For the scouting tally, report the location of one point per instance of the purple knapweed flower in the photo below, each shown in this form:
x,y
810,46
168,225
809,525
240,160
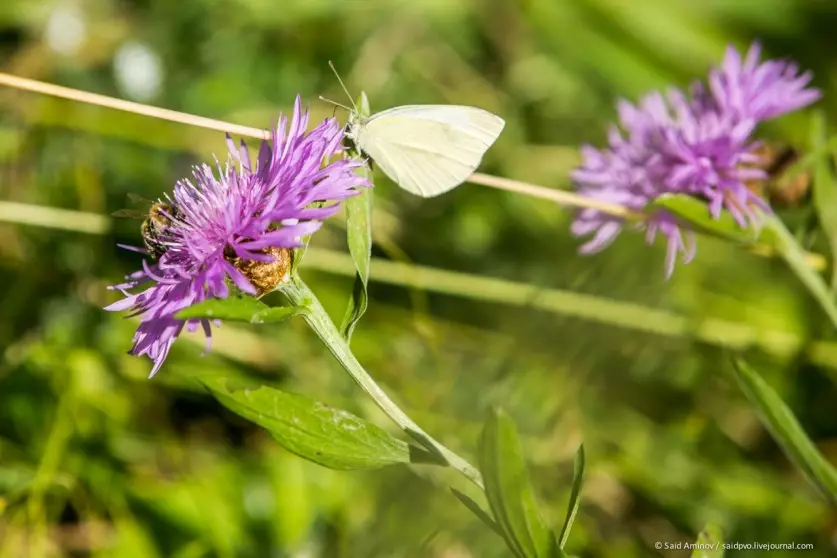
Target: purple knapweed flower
x,y
234,216
749,89
699,145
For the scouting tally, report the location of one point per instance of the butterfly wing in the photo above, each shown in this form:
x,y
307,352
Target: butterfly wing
x,y
429,149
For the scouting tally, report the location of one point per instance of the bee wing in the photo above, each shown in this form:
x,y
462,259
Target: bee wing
x,y
130,214
137,199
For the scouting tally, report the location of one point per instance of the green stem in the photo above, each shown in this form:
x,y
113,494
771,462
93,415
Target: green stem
x,y
299,294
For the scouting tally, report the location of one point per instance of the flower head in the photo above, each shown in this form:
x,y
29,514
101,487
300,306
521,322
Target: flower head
x,y
232,217
699,145
749,89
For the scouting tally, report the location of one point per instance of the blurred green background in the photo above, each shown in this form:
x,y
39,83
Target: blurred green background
x,y
96,460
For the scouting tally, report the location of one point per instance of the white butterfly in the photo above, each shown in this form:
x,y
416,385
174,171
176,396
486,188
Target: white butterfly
x,y
426,149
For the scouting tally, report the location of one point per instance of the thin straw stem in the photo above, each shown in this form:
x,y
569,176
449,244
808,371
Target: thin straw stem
x,y
53,218
558,196
129,106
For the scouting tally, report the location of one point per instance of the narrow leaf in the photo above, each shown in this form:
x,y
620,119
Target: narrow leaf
x,y
825,189
786,430
710,543
794,256
330,437
239,309
575,496
359,236
477,510
509,492
276,314
696,213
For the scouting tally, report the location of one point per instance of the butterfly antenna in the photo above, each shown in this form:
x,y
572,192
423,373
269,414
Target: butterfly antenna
x,y
335,103
343,85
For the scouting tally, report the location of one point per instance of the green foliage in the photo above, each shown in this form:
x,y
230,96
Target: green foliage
x,y
709,543
359,237
575,497
695,212
240,309
510,493
322,434
787,431
477,510
773,235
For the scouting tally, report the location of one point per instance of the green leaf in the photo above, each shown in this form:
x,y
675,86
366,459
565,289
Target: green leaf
x,y
359,236
795,257
509,492
696,213
575,496
239,309
772,235
330,437
710,543
825,188
786,430
477,510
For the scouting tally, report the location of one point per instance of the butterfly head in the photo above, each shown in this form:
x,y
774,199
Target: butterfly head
x,y
357,120
359,116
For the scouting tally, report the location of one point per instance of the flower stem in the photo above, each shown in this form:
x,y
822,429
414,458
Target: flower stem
x,y
299,294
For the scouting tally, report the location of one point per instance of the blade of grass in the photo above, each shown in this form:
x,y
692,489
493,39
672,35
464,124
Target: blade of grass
x,y
786,430
575,497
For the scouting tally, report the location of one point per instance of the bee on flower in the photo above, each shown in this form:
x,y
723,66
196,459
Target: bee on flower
x,y
235,227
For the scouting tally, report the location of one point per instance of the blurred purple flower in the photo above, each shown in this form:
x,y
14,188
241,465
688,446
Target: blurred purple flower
x,y
751,90
236,213
699,145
